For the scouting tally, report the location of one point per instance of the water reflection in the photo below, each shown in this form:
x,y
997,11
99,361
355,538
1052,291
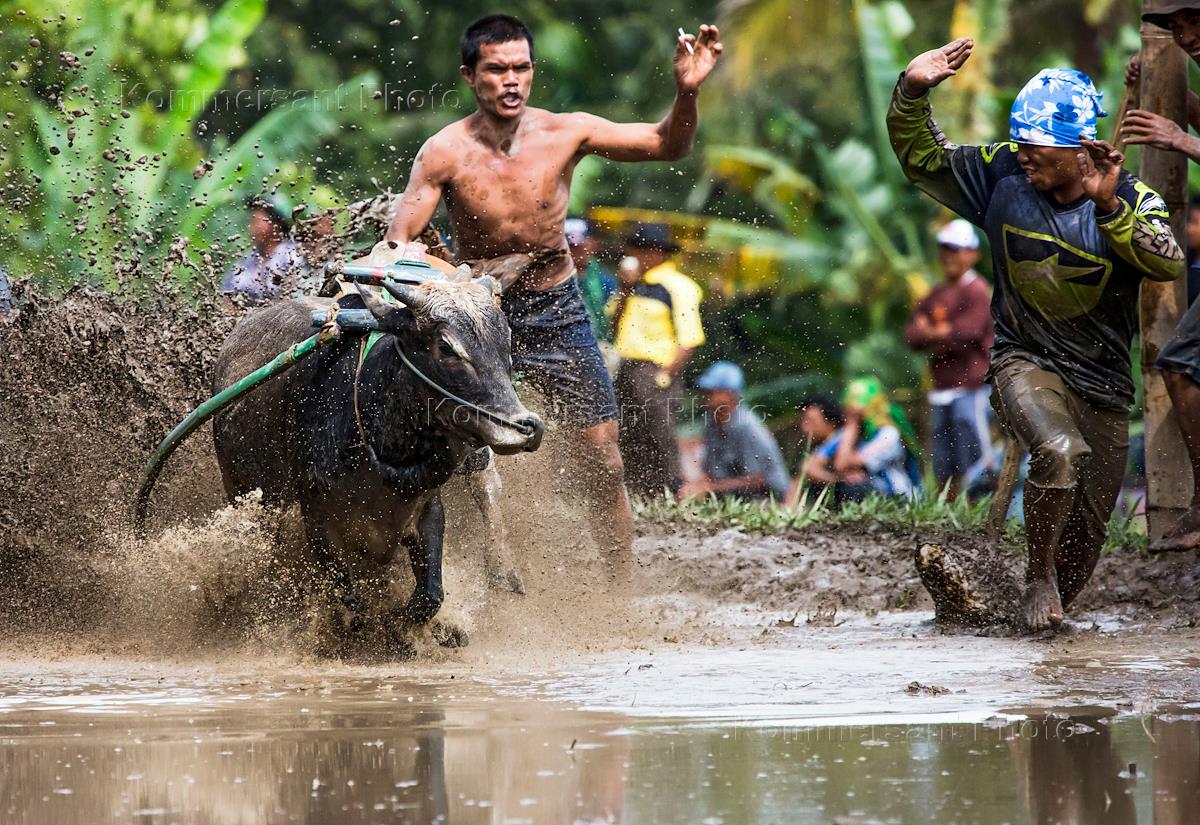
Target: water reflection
x,y
1069,771
386,751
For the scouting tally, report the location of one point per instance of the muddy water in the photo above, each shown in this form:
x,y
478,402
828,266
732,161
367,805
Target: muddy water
x,y
788,725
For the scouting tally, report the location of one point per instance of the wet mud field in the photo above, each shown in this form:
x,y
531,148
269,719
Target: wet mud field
x,y
178,678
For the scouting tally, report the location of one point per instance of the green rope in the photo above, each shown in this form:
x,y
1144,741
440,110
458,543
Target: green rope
x,y
280,363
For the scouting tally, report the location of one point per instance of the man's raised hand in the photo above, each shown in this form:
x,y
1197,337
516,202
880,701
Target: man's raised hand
x,y
931,68
695,57
1100,165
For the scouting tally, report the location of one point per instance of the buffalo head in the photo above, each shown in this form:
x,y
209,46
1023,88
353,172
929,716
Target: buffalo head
x,y
456,334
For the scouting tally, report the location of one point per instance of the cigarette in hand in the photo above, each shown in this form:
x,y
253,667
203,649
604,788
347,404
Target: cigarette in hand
x,y
683,34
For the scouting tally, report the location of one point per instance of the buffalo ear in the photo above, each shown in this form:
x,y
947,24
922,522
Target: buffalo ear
x,y
488,283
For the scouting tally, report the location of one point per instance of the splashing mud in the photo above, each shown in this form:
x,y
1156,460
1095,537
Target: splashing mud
x,y
94,383
90,385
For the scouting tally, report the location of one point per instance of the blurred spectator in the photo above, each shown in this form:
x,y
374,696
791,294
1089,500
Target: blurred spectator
x,y
274,266
5,294
820,420
656,318
953,323
317,236
596,283
871,452
741,457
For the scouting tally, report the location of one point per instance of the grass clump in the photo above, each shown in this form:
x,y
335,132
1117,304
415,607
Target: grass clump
x,y
925,509
928,509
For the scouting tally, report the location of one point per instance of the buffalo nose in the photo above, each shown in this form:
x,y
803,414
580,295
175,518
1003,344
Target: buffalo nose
x,y
534,427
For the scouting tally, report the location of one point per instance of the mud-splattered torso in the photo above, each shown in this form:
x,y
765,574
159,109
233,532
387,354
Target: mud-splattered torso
x,y
513,199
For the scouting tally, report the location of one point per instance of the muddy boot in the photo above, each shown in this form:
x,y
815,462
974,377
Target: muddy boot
x,y
1184,535
1046,511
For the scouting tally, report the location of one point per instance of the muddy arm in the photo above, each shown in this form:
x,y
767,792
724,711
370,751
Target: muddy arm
x,y
1140,232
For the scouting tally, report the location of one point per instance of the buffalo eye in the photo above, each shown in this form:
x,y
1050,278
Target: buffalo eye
x,y
451,348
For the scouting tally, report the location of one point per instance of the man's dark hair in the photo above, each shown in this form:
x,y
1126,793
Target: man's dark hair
x,y
495,28
1194,203
829,408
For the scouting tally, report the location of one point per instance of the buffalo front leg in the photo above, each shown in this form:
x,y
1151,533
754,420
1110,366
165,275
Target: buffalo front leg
x,y
425,555
333,572
485,486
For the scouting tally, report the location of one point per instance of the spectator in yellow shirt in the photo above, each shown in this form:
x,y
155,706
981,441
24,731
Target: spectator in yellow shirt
x,y
656,317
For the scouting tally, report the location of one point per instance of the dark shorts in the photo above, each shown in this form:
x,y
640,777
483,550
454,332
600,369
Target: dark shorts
x,y
1181,354
555,352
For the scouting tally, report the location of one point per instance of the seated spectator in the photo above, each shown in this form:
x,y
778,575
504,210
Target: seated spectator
x,y
820,420
741,457
274,267
870,453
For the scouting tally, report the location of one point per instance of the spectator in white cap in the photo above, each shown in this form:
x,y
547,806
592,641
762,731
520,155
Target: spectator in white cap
x,y
953,323
596,283
741,457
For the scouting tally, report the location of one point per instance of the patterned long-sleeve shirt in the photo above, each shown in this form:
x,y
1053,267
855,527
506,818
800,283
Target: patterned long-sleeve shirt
x,y
1066,278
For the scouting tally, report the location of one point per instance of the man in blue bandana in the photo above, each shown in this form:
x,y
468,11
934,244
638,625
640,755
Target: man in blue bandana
x,y
1072,236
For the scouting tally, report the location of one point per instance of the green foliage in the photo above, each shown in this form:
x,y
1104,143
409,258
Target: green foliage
x,y
884,355
113,180
1126,533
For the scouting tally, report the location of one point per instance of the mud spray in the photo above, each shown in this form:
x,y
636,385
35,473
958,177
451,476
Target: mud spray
x,y
92,383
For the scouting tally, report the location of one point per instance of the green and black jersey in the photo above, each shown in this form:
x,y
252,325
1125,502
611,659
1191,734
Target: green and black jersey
x,y
1066,291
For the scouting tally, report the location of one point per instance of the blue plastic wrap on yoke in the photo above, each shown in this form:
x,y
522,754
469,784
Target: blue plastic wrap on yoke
x,y
1058,107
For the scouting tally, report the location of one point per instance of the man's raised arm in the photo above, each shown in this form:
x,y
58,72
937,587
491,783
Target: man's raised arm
x,y
961,178
421,196
671,138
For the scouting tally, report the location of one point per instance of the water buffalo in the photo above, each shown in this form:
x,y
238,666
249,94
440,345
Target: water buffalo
x,y
364,450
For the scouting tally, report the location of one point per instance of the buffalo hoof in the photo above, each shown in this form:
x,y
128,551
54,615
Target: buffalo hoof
x,y
448,635
505,579
349,613
421,609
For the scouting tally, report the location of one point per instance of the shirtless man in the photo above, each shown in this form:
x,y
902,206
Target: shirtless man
x,y
505,173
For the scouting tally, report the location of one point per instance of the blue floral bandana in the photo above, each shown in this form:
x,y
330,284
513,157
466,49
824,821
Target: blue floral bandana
x,y
1058,107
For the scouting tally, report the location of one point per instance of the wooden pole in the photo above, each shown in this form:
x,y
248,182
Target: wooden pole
x,y
1164,91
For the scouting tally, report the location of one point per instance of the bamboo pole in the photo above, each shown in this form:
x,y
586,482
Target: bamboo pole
x,y
1164,91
